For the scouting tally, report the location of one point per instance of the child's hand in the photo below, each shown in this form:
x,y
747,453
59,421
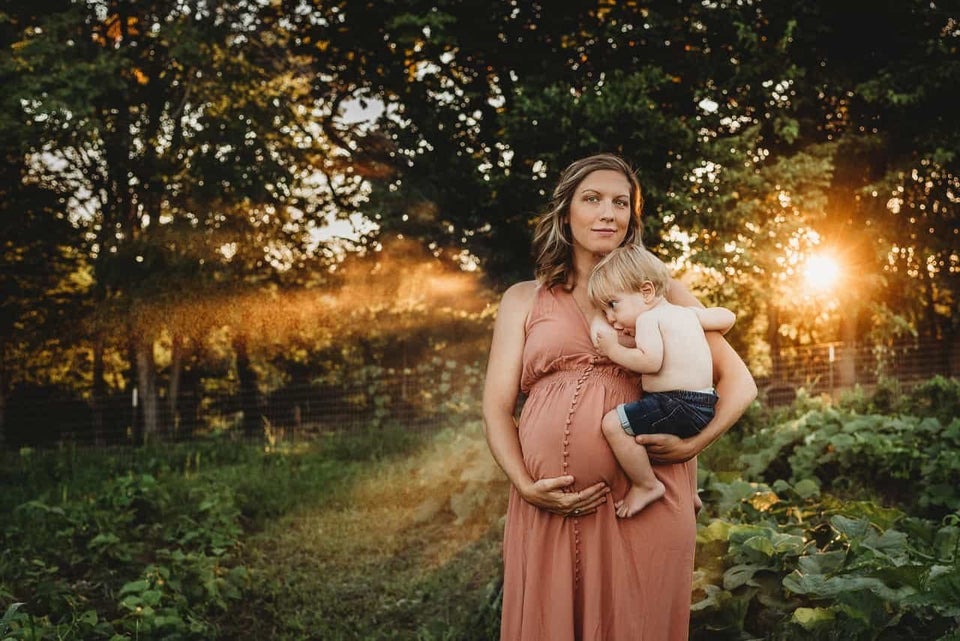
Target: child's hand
x,y
604,336
606,340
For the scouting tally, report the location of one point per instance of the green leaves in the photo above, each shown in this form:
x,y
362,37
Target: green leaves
x,y
812,618
143,555
844,542
8,617
822,568
909,459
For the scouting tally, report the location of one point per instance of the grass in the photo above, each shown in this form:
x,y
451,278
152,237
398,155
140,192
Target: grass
x,y
404,551
385,534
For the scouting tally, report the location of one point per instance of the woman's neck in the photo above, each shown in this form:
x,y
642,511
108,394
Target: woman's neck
x,y
583,264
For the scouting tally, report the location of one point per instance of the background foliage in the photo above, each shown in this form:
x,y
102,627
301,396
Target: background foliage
x,y
218,540
195,177
229,210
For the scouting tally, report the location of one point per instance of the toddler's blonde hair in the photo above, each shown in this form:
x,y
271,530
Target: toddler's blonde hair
x,y
626,269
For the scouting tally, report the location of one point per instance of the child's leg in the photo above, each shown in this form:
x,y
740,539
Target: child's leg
x,y
646,487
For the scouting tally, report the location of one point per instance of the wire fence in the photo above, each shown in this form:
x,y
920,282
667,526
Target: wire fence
x,y
831,368
424,399
414,400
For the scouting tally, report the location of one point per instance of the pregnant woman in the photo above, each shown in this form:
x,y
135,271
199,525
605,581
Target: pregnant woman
x,y
573,571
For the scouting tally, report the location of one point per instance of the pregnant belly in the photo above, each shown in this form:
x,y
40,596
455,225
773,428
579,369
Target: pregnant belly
x,y
556,441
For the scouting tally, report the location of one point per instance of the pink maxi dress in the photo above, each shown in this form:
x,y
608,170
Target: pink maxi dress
x,y
595,577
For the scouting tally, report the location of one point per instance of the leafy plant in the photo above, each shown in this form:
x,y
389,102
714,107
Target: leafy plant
x,y
786,562
905,459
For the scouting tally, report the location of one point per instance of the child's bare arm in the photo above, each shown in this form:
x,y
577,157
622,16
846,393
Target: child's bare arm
x,y
646,357
718,319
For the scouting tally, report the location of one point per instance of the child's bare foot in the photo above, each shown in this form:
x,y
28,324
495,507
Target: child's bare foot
x,y
637,498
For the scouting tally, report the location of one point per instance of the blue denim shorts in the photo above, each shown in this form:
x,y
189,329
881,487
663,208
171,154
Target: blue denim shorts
x,y
681,413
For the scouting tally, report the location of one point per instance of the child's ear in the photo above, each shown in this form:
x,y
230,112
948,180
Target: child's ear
x,y
648,290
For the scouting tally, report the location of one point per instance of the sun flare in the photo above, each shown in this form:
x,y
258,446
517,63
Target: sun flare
x,y
821,272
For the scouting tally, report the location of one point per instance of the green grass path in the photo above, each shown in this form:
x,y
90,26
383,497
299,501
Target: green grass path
x,y
403,548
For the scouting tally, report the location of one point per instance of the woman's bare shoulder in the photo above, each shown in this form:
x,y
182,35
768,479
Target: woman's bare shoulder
x,y
518,299
519,293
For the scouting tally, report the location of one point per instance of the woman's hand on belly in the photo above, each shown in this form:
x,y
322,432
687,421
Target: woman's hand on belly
x,y
550,494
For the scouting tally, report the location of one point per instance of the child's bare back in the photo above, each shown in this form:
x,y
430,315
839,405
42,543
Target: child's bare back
x,y
687,364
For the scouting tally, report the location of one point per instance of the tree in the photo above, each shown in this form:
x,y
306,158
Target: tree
x,y
43,276
171,124
871,83
834,109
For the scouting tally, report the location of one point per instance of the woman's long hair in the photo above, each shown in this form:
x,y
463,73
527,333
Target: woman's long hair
x,y
552,241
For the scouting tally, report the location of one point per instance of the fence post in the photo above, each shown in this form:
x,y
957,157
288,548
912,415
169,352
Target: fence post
x,y
832,357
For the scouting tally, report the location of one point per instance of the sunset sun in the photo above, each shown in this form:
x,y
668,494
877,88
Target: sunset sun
x,y
821,272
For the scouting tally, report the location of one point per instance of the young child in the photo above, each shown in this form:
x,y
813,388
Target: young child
x,y
671,353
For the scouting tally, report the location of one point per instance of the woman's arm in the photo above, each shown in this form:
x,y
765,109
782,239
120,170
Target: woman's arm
x,y
736,389
500,391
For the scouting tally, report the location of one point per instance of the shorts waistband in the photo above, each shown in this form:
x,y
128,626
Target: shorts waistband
x,y
693,395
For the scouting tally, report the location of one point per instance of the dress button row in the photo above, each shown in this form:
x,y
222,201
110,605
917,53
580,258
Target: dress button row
x,y
565,454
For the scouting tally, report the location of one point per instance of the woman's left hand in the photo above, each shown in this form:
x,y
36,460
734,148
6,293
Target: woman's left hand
x,y
667,448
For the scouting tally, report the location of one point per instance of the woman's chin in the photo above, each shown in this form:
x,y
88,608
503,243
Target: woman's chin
x,y
604,248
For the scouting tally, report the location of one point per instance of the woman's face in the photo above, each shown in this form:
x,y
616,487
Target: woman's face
x,y
600,212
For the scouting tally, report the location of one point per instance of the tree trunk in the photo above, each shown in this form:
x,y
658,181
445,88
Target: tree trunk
x,y
99,390
173,396
953,351
189,403
250,403
147,389
3,399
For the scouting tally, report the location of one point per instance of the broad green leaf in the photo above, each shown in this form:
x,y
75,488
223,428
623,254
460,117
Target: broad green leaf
x,y
784,543
943,589
103,539
168,621
807,488
890,543
821,563
134,587
733,493
843,586
947,541
89,617
812,618
757,548
740,574
716,530
741,533
851,528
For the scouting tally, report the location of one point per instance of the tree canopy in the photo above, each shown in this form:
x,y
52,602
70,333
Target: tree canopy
x,y
161,155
